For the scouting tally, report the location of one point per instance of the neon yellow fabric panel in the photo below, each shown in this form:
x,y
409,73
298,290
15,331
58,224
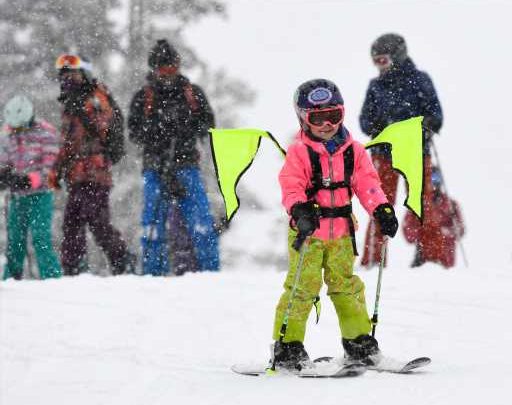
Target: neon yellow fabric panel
x,y
406,140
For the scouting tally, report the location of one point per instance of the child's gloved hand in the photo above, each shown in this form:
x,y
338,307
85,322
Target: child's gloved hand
x,y
385,216
16,182
305,217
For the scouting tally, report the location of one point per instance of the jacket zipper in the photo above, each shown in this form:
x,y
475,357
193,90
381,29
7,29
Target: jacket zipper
x,y
331,220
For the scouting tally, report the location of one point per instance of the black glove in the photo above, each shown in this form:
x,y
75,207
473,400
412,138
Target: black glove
x,y
5,174
385,216
430,126
305,217
20,182
16,182
174,186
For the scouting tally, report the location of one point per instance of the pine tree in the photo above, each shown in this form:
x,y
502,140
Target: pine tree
x,y
34,32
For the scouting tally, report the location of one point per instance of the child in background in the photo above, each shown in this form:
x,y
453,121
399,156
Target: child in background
x,y
27,153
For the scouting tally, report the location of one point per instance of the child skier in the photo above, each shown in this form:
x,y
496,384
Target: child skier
x,y
27,153
323,168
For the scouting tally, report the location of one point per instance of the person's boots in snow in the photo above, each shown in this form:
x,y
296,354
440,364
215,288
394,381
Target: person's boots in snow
x,y
418,258
291,355
363,349
127,265
82,267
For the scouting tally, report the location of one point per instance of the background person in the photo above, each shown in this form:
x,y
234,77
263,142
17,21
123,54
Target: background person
x,y
28,149
401,91
168,116
84,162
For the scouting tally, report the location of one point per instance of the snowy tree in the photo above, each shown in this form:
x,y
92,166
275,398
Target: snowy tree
x,y
34,32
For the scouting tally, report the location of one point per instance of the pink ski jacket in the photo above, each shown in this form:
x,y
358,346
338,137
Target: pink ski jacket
x,y
32,151
296,175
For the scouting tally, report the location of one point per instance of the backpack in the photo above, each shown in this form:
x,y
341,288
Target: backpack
x,y
114,141
188,91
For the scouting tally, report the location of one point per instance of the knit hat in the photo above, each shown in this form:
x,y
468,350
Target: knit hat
x,y
163,54
392,45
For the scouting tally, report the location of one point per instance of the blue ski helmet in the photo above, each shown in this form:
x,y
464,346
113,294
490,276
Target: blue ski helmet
x,y
317,93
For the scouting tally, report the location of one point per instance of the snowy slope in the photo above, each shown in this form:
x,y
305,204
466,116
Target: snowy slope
x,y
132,340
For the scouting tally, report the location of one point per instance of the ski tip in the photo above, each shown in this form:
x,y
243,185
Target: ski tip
x,y
270,372
416,363
325,359
421,360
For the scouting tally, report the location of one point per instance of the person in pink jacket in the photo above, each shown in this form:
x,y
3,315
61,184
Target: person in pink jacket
x,y
324,168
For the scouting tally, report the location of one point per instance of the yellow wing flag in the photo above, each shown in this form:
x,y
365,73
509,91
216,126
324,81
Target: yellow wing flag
x,y
406,140
233,152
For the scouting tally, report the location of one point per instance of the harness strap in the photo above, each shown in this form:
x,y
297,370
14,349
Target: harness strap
x,y
344,211
319,183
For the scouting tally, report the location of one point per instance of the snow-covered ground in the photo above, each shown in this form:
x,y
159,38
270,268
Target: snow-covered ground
x,y
141,340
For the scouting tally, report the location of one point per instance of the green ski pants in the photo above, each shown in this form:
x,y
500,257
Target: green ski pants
x,y
31,213
346,290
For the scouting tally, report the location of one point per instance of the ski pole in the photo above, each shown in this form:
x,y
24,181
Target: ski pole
x,y
375,317
284,325
452,207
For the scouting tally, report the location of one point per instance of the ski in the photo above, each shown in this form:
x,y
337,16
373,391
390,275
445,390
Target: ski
x,y
387,364
319,371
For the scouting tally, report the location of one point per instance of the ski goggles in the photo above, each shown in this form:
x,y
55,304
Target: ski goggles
x,y
382,61
72,62
318,117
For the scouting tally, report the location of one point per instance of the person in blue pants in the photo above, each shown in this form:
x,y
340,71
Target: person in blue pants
x,y
168,116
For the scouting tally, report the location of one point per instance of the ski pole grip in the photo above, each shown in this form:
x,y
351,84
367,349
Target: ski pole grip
x,y
299,240
375,321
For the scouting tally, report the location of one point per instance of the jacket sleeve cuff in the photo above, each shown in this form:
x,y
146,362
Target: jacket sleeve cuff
x,y
35,180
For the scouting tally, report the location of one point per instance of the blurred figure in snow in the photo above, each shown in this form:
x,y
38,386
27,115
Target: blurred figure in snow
x,y
168,116
401,91
28,148
89,114
447,227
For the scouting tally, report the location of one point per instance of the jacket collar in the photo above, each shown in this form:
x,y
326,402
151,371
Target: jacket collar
x,y
319,147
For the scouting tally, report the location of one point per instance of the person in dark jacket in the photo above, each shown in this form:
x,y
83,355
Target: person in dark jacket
x,y
168,116
83,162
401,91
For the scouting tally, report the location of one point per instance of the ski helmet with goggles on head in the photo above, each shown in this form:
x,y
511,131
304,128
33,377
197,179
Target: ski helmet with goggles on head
x,y
318,101
388,49
70,62
19,112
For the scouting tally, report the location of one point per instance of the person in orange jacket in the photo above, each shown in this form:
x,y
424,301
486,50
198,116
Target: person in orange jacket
x,y
438,245
85,164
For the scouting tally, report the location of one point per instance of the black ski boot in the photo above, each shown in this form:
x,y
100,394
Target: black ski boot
x,y
127,264
364,349
18,276
291,356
